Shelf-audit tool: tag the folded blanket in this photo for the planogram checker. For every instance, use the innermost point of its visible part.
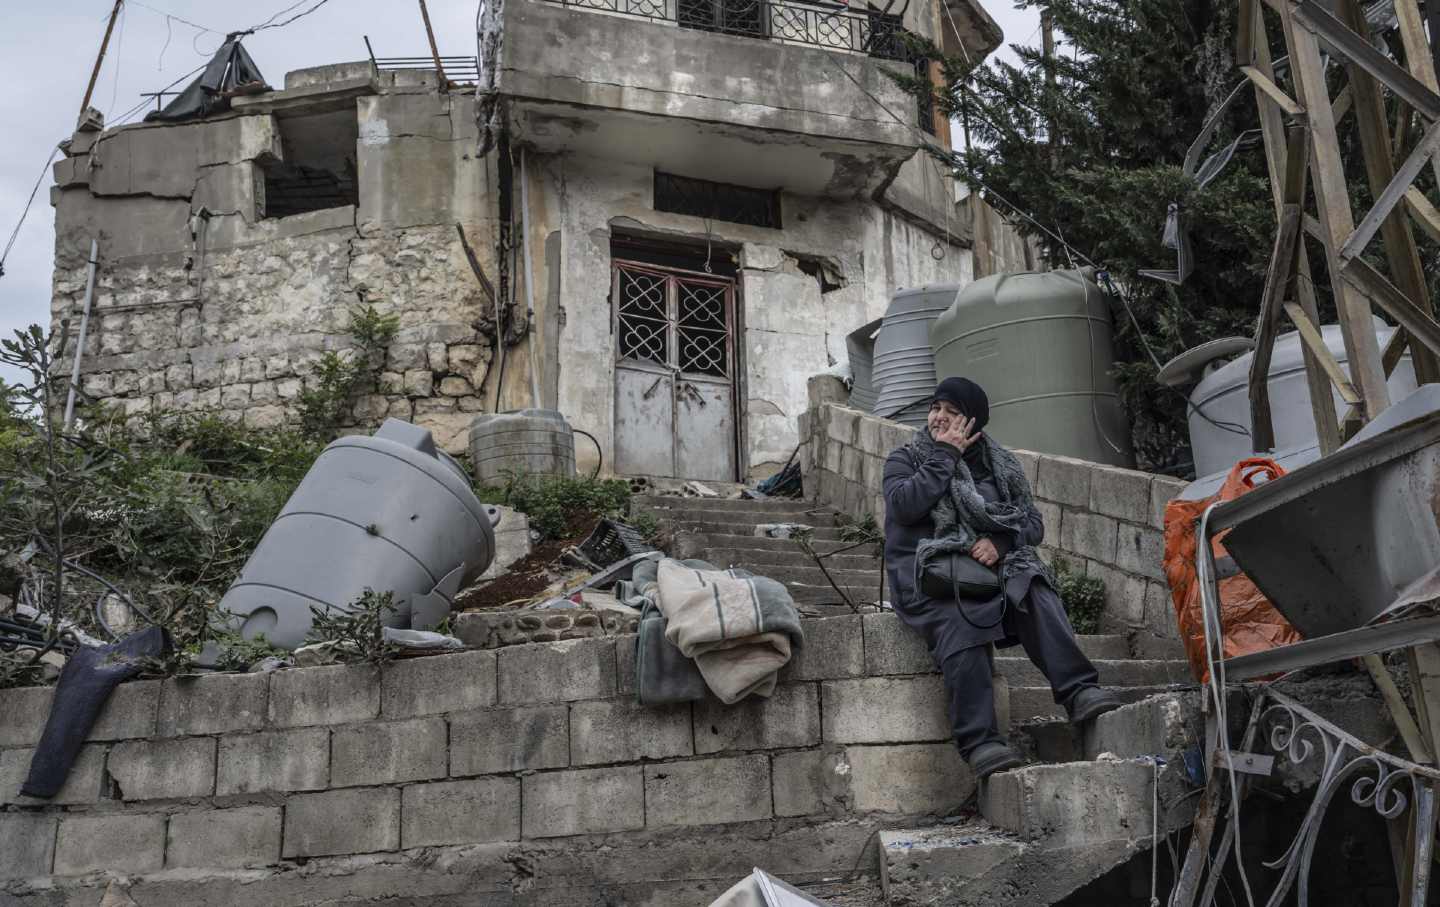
(738, 628)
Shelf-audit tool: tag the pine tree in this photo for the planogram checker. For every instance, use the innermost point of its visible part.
(1090, 144)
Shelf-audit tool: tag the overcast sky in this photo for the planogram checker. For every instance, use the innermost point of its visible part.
(47, 50)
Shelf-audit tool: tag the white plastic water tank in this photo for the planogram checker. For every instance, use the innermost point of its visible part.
(1223, 396)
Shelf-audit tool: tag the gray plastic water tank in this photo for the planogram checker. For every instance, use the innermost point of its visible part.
(530, 441)
(1039, 343)
(860, 344)
(1223, 396)
(904, 366)
(387, 512)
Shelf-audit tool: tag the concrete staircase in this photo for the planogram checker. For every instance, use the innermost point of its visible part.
(1084, 804)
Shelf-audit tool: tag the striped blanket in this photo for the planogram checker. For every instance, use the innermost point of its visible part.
(738, 628)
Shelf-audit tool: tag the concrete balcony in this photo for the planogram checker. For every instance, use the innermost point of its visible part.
(787, 96)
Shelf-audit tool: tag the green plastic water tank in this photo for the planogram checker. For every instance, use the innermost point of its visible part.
(1039, 343)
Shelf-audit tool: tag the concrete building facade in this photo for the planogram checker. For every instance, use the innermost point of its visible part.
(696, 200)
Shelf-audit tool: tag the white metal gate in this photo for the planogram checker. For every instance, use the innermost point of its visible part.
(674, 372)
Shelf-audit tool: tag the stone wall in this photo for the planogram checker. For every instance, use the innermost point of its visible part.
(523, 772)
(1105, 521)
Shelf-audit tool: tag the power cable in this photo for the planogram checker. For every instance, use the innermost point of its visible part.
(14, 234)
(119, 49)
(271, 23)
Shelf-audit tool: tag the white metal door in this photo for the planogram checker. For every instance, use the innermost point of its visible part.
(674, 373)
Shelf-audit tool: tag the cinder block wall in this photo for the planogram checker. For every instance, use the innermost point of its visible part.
(483, 770)
(1105, 521)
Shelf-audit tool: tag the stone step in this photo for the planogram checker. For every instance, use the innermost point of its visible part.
(741, 505)
(814, 576)
(1072, 804)
(935, 865)
(725, 524)
(727, 534)
(702, 512)
(1114, 672)
(1156, 725)
(759, 561)
(1034, 702)
(701, 542)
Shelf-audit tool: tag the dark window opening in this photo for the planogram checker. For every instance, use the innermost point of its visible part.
(925, 99)
(317, 170)
(731, 17)
(717, 201)
(675, 256)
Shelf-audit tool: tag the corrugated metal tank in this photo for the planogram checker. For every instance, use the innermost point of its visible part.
(1039, 343)
(528, 441)
(1223, 397)
(903, 373)
(860, 344)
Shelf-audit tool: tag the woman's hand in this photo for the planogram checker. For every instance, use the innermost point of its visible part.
(984, 552)
(958, 433)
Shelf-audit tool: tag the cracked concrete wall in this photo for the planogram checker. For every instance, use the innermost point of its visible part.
(232, 313)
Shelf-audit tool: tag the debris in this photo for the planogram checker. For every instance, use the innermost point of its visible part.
(698, 490)
(781, 530)
(117, 895)
(421, 641)
(784, 484)
(229, 73)
(761, 889)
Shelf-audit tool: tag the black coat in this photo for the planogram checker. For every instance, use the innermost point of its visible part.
(912, 488)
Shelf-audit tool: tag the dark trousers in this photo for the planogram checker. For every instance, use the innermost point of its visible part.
(1044, 632)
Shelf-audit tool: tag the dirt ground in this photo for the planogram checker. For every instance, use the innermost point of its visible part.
(526, 578)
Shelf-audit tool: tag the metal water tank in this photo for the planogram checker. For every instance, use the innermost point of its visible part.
(389, 513)
(904, 366)
(529, 441)
(860, 344)
(1039, 343)
(1220, 403)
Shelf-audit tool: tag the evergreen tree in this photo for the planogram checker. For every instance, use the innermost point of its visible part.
(1090, 143)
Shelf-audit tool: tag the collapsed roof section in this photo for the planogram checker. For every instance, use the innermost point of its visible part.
(229, 73)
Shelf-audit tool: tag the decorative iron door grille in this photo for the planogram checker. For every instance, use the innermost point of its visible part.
(674, 372)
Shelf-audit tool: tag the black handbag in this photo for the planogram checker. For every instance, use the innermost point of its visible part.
(960, 576)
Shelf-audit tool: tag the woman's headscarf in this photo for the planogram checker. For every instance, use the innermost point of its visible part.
(966, 396)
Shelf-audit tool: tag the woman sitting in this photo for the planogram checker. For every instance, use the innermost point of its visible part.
(955, 491)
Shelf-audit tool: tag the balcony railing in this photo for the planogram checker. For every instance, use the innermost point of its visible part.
(824, 25)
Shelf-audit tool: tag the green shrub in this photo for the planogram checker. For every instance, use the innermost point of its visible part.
(359, 634)
(1084, 597)
(559, 506)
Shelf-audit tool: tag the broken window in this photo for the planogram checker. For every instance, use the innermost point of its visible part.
(318, 168)
(717, 201)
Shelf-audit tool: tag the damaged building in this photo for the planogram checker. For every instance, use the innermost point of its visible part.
(685, 211)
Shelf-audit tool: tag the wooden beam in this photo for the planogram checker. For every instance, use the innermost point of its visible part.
(1245, 34)
(1392, 193)
(1283, 173)
(1318, 22)
(1422, 212)
(100, 58)
(1277, 282)
(1273, 91)
(1315, 342)
(1404, 721)
(1332, 201)
(1416, 322)
(1342, 104)
(1418, 58)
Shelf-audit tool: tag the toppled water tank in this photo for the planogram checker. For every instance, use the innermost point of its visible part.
(903, 373)
(1039, 343)
(527, 441)
(389, 513)
(1220, 403)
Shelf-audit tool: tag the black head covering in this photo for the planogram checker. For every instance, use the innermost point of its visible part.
(966, 396)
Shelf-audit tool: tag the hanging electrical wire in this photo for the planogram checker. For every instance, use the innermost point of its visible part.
(14, 234)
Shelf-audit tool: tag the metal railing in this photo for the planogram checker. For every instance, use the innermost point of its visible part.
(824, 25)
(457, 69)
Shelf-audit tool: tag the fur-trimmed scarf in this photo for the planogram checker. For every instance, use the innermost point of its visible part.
(963, 516)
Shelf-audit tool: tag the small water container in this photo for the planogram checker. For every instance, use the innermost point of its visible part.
(389, 512)
(529, 441)
(903, 373)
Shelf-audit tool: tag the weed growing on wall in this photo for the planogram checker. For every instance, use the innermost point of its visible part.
(358, 634)
(1084, 597)
(325, 404)
(560, 506)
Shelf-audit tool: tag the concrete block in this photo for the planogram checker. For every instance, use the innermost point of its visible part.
(224, 838)
(583, 801)
(1089, 535)
(707, 791)
(834, 647)
(1158, 725)
(509, 740)
(460, 812)
(1030, 463)
(126, 842)
(867, 435)
(841, 423)
(129, 712)
(27, 845)
(1064, 480)
(810, 782)
(852, 465)
(557, 672)
(1160, 611)
(1162, 491)
(909, 780)
(621, 730)
(212, 705)
(884, 710)
(1075, 804)
(893, 648)
(334, 694)
(25, 710)
(1121, 493)
(163, 769)
(363, 820)
(439, 683)
(789, 718)
(387, 752)
(942, 859)
(1050, 518)
(1140, 549)
(84, 784)
(274, 761)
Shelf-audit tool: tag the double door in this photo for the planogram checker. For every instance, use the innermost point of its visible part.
(674, 372)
